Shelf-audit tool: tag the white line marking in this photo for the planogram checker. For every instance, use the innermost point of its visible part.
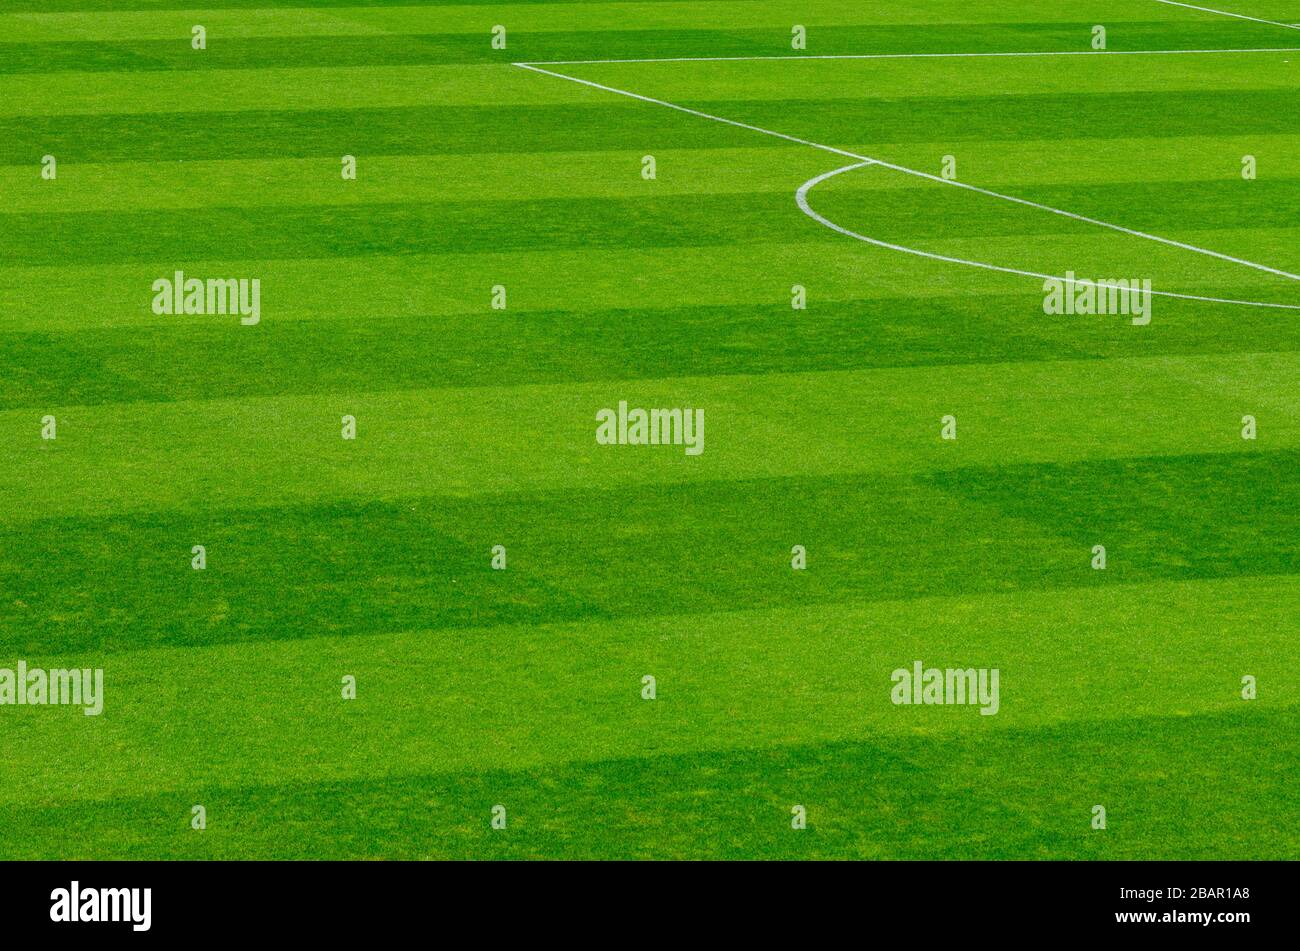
(695, 112)
(1225, 13)
(746, 59)
(866, 159)
(801, 199)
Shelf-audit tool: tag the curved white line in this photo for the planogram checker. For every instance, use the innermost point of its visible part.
(1084, 218)
(801, 198)
(868, 160)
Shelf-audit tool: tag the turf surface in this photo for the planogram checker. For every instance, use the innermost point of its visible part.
(476, 426)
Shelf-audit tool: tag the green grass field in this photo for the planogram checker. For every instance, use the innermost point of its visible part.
(476, 427)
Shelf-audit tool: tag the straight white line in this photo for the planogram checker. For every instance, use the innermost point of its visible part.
(696, 112)
(745, 59)
(801, 199)
(1225, 13)
(867, 159)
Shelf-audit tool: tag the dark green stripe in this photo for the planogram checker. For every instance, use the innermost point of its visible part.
(460, 227)
(123, 583)
(621, 124)
(1172, 787)
(434, 49)
(905, 215)
(215, 358)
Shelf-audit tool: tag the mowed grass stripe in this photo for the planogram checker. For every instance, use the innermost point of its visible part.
(436, 48)
(166, 362)
(827, 81)
(252, 183)
(824, 83)
(120, 6)
(668, 15)
(756, 274)
(1014, 795)
(261, 452)
(614, 125)
(927, 215)
(373, 566)
(523, 697)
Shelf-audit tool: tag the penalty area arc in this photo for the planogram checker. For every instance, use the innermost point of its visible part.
(801, 199)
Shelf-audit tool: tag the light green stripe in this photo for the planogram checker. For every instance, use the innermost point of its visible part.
(353, 87)
(65, 298)
(267, 451)
(519, 697)
(1002, 166)
(68, 298)
(69, 93)
(830, 79)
